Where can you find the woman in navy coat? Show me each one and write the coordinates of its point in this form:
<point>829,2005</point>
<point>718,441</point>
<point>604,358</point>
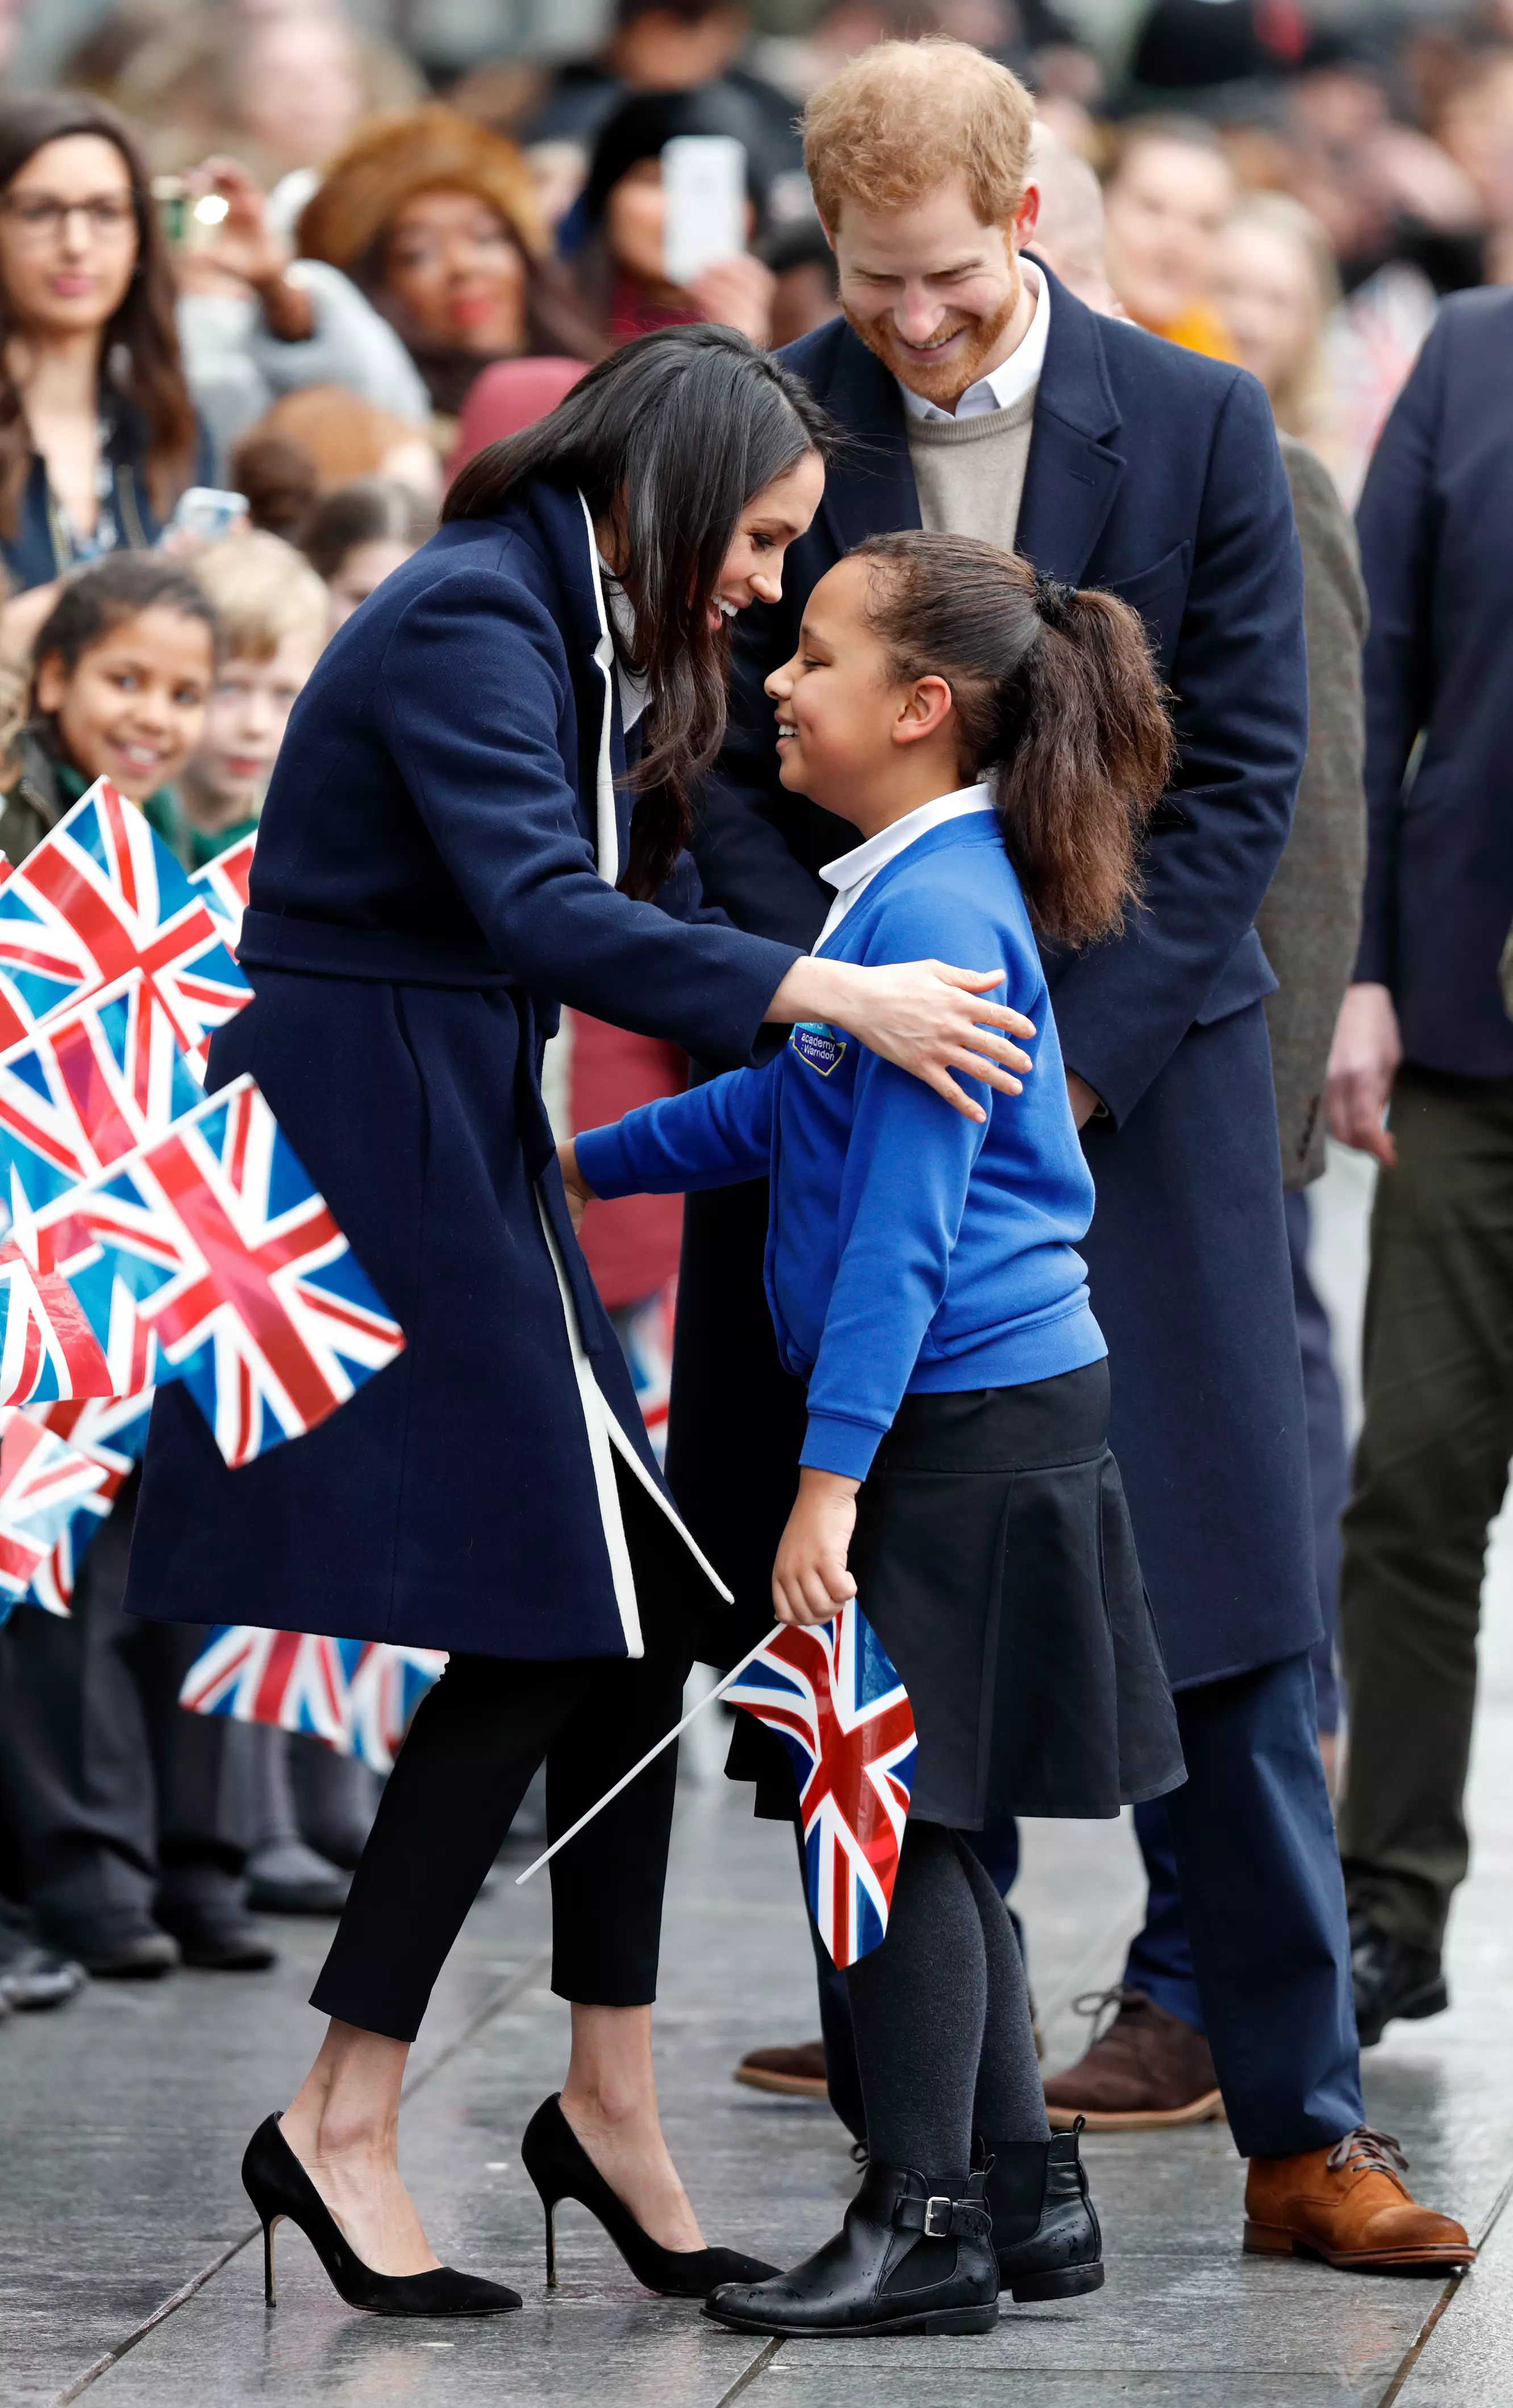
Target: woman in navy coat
<point>447,853</point>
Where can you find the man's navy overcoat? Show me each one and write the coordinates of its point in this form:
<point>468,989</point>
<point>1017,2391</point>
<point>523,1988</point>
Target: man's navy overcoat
<point>1155,474</point>
<point>435,872</point>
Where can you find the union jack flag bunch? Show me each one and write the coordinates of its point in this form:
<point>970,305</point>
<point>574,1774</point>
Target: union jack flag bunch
<point>356,1696</point>
<point>833,1697</point>
<point>151,1232</point>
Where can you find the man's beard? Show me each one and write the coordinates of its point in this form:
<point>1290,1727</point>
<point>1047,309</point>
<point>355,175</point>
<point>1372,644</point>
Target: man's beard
<point>945,385</point>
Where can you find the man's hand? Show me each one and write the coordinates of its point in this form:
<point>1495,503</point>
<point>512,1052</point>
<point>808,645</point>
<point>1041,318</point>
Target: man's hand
<point>809,1579</point>
<point>1362,1064</point>
<point>1082,1099</point>
<point>579,1194</point>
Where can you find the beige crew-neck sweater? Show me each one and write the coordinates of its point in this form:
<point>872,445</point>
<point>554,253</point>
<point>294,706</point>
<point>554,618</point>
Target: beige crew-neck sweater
<point>970,471</point>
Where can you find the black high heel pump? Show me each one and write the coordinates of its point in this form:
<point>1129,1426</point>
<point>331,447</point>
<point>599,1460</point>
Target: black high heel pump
<point>561,2167</point>
<point>278,2184</point>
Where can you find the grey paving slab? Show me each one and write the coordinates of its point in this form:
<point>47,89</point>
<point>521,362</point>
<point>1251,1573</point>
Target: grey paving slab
<point>1466,2361</point>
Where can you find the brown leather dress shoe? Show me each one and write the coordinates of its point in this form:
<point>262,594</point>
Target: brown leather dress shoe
<point>1349,2206</point>
<point>799,2072</point>
<point>1149,2068</point>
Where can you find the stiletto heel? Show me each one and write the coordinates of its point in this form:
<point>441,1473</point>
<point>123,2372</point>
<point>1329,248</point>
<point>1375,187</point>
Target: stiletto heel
<point>278,2185</point>
<point>561,2167</point>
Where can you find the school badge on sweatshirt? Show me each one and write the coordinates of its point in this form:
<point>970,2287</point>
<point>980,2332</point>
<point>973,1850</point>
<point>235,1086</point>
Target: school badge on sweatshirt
<point>818,1044</point>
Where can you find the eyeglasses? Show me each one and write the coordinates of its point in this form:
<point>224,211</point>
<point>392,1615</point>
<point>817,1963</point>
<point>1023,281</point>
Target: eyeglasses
<point>41,217</point>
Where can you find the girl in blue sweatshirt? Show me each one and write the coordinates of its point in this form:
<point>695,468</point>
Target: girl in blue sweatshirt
<point>998,740</point>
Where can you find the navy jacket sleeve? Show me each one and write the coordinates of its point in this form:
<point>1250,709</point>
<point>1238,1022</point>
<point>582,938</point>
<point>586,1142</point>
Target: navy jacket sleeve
<point>1396,520</point>
<point>1240,685</point>
<point>472,698</point>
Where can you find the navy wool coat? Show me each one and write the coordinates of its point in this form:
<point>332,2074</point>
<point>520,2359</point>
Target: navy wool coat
<point>435,869</point>
<point>1156,475</point>
<point>1436,547</point>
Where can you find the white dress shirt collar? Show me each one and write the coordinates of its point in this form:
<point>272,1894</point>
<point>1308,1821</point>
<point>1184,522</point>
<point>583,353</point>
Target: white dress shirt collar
<point>1003,386</point>
<point>855,871</point>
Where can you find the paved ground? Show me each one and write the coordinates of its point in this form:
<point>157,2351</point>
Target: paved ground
<point>125,2275</point>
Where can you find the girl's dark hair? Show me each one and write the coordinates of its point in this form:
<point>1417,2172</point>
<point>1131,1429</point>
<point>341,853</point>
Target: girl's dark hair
<point>673,436</point>
<point>97,600</point>
<point>371,510</point>
<point>139,344</point>
<point>1057,705</point>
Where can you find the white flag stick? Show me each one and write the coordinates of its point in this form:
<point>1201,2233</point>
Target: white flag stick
<point>626,1778</point>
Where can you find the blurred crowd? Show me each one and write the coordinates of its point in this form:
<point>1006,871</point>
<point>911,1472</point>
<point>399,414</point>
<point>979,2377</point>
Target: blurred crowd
<point>269,273</point>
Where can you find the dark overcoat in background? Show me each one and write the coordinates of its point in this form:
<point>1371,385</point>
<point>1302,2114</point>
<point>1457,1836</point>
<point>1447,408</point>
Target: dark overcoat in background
<point>1155,474</point>
<point>1436,522</point>
<point>434,871</point>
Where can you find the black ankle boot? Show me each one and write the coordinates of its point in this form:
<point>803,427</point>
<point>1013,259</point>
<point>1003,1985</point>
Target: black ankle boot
<point>1045,2227</point>
<point>909,2259</point>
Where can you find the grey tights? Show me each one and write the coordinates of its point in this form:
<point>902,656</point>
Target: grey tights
<point>942,2017</point>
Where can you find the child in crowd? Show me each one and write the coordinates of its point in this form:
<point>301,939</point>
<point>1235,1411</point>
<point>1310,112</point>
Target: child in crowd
<point>129,1817</point>
<point>273,612</point>
<point>358,534</point>
<point>123,664</point>
<point>997,739</point>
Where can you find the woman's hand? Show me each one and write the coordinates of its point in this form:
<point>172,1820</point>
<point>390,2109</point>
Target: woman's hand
<point>738,293</point>
<point>1362,1064</point>
<point>925,1016</point>
<point>245,246</point>
<point>809,1579</point>
<point>579,1194</point>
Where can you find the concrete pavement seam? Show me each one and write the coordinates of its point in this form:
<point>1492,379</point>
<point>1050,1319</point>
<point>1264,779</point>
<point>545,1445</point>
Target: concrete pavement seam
<point>759,2365</point>
<point>495,2005</point>
<point>1420,2340</point>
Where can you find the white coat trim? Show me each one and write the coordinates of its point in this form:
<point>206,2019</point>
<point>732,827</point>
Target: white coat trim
<point>606,835</point>
<point>604,1434</point>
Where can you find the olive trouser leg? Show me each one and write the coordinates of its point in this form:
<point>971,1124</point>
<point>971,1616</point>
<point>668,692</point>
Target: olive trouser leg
<point>1430,1474</point>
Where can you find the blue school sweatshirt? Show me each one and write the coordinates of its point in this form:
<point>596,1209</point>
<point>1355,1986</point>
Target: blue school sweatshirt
<point>909,1250</point>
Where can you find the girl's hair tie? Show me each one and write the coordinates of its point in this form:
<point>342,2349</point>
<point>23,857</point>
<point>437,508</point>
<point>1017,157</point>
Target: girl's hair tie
<point>1054,600</point>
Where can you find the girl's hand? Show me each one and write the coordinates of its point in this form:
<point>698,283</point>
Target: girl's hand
<point>738,293</point>
<point>579,1194</point>
<point>809,1579</point>
<point>925,1016</point>
<point>245,247</point>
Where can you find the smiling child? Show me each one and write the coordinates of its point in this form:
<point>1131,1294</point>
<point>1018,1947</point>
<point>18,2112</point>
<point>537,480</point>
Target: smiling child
<point>123,671</point>
<point>997,740</point>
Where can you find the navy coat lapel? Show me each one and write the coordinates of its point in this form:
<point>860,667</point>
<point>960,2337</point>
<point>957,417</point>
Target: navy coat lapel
<point>565,542</point>
<point>1073,470</point>
<point>870,489</point>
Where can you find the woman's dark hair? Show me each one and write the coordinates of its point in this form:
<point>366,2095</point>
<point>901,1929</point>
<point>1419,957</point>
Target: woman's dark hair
<point>371,510</point>
<point>139,344</point>
<point>673,437</point>
<point>642,126</point>
<point>1057,707</point>
<point>97,600</point>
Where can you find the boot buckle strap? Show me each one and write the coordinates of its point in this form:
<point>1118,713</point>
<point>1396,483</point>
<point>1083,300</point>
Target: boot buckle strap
<point>937,2218</point>
<point>941,2218</point>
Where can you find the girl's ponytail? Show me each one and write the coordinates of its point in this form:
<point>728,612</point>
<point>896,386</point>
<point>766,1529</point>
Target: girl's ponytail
<point>1059,709</point>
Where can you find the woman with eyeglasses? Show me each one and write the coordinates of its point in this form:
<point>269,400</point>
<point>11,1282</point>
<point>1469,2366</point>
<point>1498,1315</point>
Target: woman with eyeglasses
<point>98,436</point>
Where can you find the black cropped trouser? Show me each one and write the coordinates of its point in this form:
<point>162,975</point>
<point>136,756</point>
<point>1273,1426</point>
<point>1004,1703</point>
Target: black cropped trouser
<point>473,1748</point>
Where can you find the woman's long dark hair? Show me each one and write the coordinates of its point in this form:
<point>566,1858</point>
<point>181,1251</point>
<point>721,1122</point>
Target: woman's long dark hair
<point>1057,707</point>
<point>139,344</point>
<point>673,436</point>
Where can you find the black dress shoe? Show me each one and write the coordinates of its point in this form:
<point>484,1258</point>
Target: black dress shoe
<point>122,1953</point>
<point>909,2258</point>
<point>562,2168</point>
<point>33,1978</point>
<point>278,2185</point>
<point>1392,1980</point>
<point>1045,2227</point>
<point>218,1938</point>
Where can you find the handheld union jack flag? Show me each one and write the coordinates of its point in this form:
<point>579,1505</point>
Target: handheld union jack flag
<point>96,1081</point>
<point>831,1695</point>
<point>99,897</point>
<point>43,1483</point>
<point>222,887</point>
<point>355,1695</point>
<point>270,1676</point>
<point>110,1432</point>
<point>48,1349</point>
<point>211,1258</point>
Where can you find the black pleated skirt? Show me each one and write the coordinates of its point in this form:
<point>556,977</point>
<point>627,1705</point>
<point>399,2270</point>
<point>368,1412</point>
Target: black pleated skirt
<point>995,1558</point>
